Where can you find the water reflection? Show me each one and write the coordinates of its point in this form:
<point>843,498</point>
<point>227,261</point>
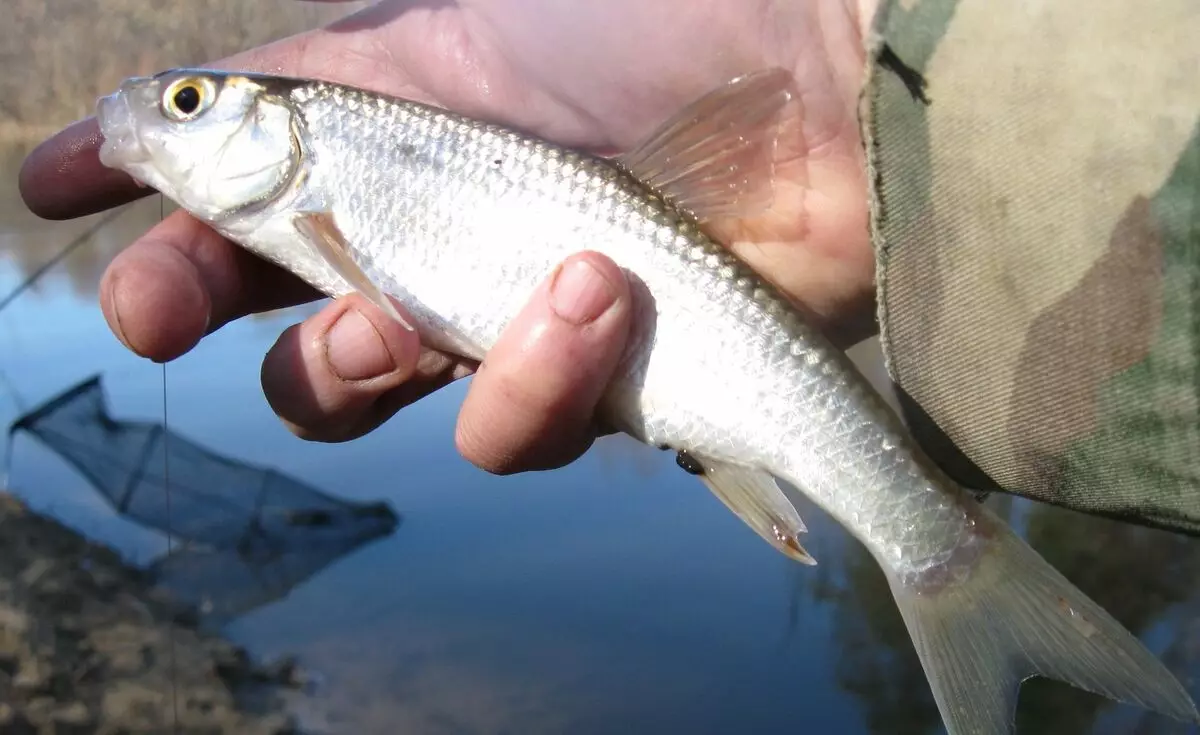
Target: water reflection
<point>1145,577</point>
<point>249,534</point>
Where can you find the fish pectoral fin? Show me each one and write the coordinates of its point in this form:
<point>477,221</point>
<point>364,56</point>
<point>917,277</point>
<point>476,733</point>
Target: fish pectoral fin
<point>320,229</point>
<point>716,157</point>
<point>754,496</point>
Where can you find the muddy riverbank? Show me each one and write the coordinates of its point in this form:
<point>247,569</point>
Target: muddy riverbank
<point>89,647</point>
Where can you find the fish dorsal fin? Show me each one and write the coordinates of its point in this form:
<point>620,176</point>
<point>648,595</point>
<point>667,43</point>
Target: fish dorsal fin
<point>715,158</point>
<point>321,231</point>
<point>755,497</point>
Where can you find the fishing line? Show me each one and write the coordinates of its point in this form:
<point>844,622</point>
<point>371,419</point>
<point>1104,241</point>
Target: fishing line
<point>71,247</point>
<point>11,296</point>
<point>166,434</point>
<point>21,288</point>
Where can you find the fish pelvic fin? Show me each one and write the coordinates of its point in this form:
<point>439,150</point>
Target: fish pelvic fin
<point>1014,617</point>
<point>715,158</point>
<point>754,496</point>
<point>320,230</point>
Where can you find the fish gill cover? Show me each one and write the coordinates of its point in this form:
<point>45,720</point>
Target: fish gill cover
<point>249,533</point>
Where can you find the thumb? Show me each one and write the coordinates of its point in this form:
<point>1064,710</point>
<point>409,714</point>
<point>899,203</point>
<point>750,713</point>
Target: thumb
<point>531,405</point>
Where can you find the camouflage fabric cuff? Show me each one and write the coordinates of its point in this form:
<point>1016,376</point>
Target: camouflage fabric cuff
<point>1036,220</point>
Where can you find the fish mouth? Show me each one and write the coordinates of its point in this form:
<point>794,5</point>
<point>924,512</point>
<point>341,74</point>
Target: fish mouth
<point>121,146</point>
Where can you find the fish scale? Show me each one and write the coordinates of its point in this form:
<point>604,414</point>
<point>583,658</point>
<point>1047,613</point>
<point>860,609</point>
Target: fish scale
<point>582,201</point>
<point>459,221</point>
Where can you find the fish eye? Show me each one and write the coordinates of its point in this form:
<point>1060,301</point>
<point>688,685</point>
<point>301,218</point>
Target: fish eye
<point>187,98</point>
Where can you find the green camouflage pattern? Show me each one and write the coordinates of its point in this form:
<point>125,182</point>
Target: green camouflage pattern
<point>1036,222</point>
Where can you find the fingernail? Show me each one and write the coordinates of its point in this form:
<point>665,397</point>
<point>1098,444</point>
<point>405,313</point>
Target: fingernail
<point>580,293</point>
<point>355,350</point>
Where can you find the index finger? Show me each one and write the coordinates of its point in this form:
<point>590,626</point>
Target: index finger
<point>63,177</point>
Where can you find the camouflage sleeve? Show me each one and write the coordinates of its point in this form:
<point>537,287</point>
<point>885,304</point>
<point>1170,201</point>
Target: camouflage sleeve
<point>1036,221</point>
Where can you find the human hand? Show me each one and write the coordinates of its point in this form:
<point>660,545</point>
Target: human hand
<point>592,75</point>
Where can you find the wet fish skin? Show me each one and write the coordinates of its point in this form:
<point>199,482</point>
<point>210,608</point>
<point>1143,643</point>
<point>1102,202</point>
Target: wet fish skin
<point>460,221</point>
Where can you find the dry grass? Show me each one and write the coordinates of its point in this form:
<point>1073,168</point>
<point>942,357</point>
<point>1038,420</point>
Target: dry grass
<point>59,55</point>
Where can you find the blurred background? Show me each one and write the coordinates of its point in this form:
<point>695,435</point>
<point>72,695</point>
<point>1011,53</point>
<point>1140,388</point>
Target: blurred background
<point>385,585</point>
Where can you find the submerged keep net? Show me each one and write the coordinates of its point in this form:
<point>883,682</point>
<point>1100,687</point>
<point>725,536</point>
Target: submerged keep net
<point>1036,221</point>
<point>250,533</point>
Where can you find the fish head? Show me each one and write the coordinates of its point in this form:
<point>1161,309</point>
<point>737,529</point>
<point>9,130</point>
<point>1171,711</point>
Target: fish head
<point>215,142</point>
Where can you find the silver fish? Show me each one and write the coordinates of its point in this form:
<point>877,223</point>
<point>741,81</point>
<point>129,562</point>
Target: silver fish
<point>459,221</point>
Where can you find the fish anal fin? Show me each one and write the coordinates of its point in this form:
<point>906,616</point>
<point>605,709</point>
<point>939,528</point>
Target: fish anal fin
<point>754,496</point>
<point>716,157</point>
<point>321,230</point>
<point>1007,616</point>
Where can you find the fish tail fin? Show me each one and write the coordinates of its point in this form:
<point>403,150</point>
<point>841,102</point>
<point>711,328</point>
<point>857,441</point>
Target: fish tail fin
<point>1013,617</point>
